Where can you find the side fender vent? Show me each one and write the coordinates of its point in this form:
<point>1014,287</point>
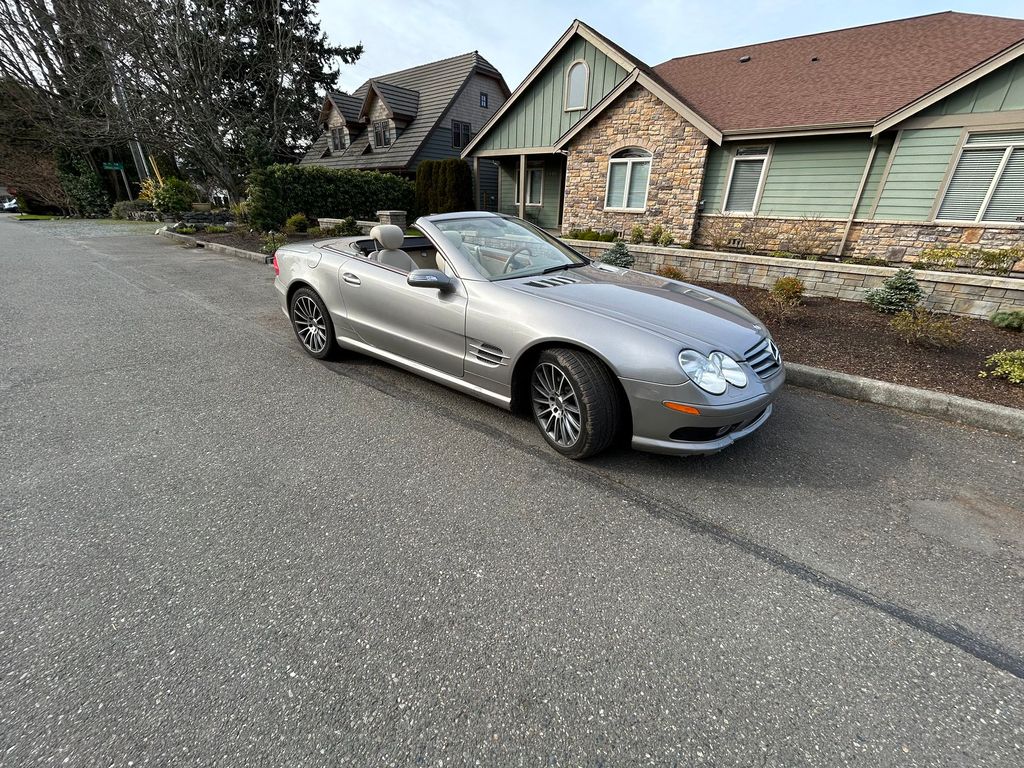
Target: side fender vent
<point>487,354</point>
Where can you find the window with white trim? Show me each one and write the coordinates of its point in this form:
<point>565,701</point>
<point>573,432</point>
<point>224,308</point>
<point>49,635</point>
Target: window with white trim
<point>745,178</point>
<point>988,181</point>
<point>576,82</point>
<point>534,186</point>
<point>629,175</point>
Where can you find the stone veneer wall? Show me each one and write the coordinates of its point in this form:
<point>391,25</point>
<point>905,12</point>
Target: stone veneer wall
<point>637,119</point>
<point>967,295</point>
<point>893,241</point>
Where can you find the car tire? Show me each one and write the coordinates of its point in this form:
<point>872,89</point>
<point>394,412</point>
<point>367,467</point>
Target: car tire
<point>312,323</point>
<point>575,402</point>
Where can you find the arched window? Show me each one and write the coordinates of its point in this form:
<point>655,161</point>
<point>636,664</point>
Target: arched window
<point>629,172</point>
<point>576,82</point>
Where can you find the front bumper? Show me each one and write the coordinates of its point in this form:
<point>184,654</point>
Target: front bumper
<point>657,429</point>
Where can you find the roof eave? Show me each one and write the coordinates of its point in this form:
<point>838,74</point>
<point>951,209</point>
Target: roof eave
<point>936,95</point>
<point>780,132</point>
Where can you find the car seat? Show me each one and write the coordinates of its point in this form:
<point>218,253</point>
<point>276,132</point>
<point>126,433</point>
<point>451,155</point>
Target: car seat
<point>390,238</point>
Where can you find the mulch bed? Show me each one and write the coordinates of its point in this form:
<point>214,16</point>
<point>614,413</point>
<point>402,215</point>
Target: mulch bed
<point>247,241</point>
<point>851,337</point>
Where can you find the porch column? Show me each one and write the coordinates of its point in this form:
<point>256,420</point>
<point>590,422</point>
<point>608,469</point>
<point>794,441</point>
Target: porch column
<point>522,186</point>
<point>476,182</point>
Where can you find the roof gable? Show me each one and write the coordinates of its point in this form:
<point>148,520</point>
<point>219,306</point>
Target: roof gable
<point>400,103</point>
<point>534,115</point>
<point>856,76</point>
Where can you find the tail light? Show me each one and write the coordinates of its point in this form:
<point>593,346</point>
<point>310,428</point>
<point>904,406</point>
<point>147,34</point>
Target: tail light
<point>277,267</point>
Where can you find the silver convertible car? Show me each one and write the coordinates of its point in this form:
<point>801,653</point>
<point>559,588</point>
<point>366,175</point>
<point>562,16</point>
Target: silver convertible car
<point>491,305</point>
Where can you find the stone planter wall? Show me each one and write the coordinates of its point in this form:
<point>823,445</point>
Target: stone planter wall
<point>900,241</point>
<point>959,294</point>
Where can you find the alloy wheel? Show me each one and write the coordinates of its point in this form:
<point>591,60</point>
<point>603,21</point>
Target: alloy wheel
<point>555,404</point>
<point>309,324</point>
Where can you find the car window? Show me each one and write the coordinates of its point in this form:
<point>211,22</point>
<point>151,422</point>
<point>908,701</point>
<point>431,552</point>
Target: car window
<point>506,248</point>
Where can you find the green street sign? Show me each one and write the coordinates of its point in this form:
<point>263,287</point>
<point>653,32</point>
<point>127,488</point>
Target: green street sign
<point>113,166</point>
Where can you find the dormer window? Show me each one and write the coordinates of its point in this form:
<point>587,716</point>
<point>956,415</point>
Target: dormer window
<point>338,139</point>
<point>576,81</point>
<point>382,133</point>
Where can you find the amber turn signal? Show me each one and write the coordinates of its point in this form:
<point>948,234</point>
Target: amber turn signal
<point>681,408</point>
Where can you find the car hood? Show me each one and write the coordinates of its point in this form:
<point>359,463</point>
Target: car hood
<point>677,310</point>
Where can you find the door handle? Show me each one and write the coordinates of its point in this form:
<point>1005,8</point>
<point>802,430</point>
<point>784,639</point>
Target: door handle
<point>351,279</point>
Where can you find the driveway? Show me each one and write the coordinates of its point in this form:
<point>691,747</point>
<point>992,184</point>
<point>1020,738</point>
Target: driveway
<point>217,551</point>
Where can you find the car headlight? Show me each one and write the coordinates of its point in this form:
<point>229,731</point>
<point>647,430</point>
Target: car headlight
<point>713,373</point>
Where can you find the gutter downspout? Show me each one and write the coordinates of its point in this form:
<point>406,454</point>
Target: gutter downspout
<point>858,196</point>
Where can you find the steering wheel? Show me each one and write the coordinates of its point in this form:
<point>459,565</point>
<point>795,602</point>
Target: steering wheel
<point>511,259</point>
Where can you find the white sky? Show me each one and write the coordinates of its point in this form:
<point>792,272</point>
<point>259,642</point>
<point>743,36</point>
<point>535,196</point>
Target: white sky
<point>515,35</point>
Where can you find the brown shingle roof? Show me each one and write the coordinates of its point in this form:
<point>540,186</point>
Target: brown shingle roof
<point>862,74</point>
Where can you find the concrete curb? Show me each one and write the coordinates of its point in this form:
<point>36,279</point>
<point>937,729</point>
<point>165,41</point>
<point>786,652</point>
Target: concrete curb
<point>227,250</point>
<point>998,418</point>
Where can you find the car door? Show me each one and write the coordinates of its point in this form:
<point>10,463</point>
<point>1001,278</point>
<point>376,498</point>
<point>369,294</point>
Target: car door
<point>421,324</point>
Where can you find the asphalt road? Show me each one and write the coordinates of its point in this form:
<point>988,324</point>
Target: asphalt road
<point>217,551</point>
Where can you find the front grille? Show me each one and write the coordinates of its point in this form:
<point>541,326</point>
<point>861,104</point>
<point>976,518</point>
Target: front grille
<point>764,358</point>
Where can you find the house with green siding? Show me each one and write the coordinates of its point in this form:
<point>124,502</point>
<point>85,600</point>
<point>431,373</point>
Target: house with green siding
<point>875,141</point>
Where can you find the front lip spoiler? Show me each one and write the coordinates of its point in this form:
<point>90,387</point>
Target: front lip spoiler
<point>696,448</point>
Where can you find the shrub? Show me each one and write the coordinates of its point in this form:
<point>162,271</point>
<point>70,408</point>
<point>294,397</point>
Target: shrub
<point>271,242</point>
<point>216,229</point>
<point>240,212</point>
<point>147,189</point>
<point>278,191</point>
<point>900,293</point>
<point>297,222</point>
<point>672,273</point>
<point>314,231</point>
<point>656,234</point>
<point>939,259</point>
<point>443,186</point>
<point>619,256</point>
<point>1000,262</point>
<point>636,235</point>
<point>1011,320</point>
<point>82,185</point>
<point>924,328</point>
<point>788,290</point>
<point>592,234</point>
<point>174,196</point>
<point>1008,364</point>
<point>123,209</point>
<point>666,239</point>
<point>347,228</point>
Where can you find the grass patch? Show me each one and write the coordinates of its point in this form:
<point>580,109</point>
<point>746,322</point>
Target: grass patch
<point>35,217</point>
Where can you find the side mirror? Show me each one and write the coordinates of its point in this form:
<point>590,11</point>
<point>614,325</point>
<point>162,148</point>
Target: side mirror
<point>431,278</point>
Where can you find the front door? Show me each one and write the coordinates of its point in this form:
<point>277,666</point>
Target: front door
<point>420,324</point>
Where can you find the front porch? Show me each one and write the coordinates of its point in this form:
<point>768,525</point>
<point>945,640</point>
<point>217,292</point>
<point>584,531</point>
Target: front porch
<point>545,187</point>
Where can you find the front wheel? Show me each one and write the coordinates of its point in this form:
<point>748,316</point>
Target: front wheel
<point>312,323</point>
<point>576,404</point>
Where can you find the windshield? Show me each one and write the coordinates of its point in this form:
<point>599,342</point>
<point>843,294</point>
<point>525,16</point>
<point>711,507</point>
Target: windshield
<point>506,248</point>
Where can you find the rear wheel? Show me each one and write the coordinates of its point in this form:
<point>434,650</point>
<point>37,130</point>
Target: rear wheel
<point>575,402</point>
<point>312,323</point>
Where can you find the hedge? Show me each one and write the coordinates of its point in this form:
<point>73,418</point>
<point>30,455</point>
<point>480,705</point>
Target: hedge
<point>279,191</point>
<point>443,186</point>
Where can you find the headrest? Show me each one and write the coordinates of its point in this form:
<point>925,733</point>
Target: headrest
<point>389,236</point>
<point>455,237</point>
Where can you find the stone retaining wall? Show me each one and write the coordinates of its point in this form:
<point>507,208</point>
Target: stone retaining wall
<point>899,241</point>
<point>960,294</point>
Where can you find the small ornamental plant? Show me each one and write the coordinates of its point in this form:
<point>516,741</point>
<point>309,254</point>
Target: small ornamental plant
<point>297,222</point>
<point>672,273</point>
<point>656,234</point>
<point>900,293</point>
<point>637,234</point>
<point>1008,364</point>
<point>788,290</point>
<point>666,239</point>
<point>619,256</point>
<point>1011,320</point>
<point>926,329</point>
